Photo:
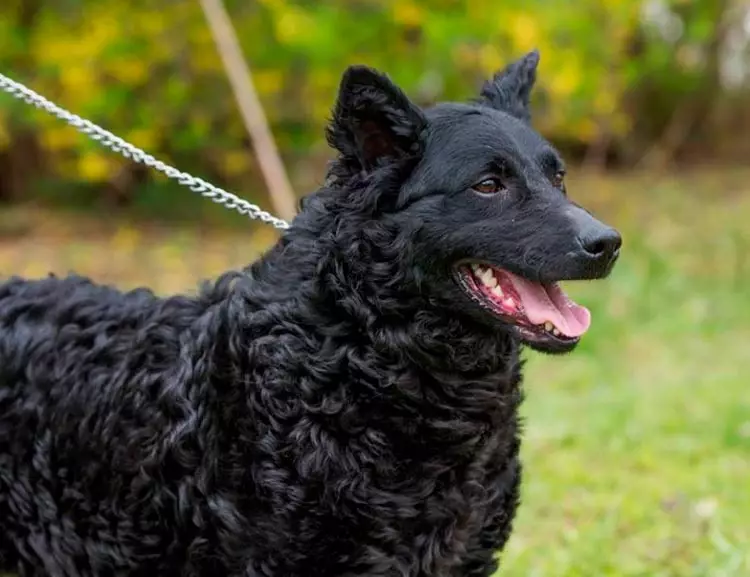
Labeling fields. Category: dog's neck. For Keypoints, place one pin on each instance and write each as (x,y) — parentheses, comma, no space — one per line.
(324,318)
(347,277)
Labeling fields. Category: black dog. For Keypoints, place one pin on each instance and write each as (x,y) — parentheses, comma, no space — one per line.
(346,406)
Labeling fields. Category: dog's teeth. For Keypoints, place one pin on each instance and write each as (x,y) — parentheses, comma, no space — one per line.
(556,332)
(497,291)
(490,281)
(548,326)
(478,271)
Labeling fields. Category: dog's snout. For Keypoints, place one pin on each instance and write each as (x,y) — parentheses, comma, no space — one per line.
(602,244)
(597,244)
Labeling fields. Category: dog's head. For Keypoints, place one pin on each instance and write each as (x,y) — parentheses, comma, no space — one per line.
(492,230)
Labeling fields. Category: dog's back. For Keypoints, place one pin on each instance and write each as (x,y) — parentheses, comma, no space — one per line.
(84,400)
(71,339)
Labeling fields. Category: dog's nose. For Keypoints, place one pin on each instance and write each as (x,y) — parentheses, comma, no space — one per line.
(602,244)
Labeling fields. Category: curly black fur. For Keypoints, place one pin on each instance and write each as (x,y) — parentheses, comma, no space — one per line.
(339,408)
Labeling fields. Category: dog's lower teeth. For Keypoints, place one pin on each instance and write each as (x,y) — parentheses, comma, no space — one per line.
(556,332)
(548,326)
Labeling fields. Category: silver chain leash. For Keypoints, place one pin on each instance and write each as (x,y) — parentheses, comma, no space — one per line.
(117,144)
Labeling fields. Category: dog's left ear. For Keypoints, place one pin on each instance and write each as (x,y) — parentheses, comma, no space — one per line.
(373,120)
(510,89)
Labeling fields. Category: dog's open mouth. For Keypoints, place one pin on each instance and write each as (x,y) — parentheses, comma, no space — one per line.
(542,313)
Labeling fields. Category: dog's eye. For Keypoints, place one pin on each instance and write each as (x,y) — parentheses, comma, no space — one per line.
(489,186)
(559,179)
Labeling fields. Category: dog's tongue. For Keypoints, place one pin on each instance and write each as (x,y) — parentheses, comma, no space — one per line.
(544,303)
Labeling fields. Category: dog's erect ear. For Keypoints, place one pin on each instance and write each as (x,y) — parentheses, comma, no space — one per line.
(373,120)
(510,89)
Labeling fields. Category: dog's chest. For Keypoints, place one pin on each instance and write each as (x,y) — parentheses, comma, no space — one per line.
(464,502)
(436,513)
(394,481)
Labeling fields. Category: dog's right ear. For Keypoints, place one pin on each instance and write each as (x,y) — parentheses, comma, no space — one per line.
(510,89)
(373,120)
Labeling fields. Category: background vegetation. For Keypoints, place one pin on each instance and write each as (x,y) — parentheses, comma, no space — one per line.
(622,82)
(638,445)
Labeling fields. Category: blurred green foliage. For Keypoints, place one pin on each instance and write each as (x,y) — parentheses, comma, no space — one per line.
(149,71)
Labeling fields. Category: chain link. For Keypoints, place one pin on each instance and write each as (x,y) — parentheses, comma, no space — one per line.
(117,144)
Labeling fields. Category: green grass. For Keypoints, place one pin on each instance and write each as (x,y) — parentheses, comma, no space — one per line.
(637,446)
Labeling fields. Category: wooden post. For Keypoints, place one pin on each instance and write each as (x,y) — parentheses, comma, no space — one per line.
(279,188)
